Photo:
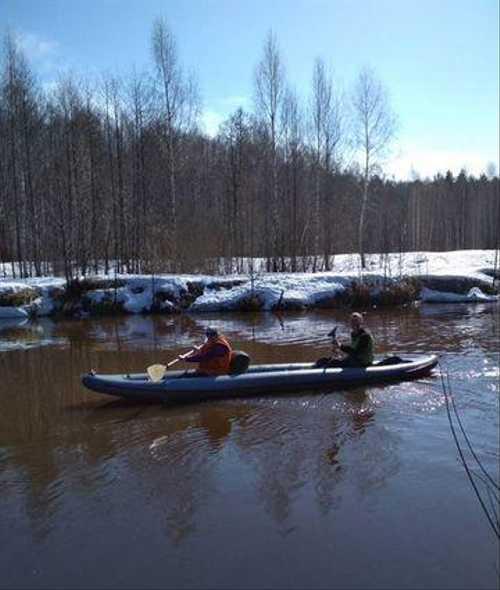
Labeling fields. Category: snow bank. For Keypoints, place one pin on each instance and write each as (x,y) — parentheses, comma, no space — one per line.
(41,290)
(141,294)
(439,273)
(287,290)
(474,295)
(13,312)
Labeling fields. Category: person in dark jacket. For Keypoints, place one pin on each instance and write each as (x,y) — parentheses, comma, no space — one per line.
(359,353)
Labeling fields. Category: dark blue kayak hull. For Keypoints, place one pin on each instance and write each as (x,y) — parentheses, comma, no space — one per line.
(259,380)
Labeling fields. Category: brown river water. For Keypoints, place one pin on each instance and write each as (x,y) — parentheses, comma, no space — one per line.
(361,488)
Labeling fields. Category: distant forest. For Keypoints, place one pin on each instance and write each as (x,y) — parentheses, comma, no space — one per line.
(119,176)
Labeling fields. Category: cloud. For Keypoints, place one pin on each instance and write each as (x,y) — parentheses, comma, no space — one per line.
(211,118)
(35,47)
(427,163)
(211,121)
(40,51)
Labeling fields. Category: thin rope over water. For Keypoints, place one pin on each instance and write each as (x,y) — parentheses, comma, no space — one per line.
(491,486)
(494,483)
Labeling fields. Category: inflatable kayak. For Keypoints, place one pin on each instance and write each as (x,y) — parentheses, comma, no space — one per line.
(257,380)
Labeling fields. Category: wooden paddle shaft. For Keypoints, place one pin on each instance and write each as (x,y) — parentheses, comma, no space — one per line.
(182,356)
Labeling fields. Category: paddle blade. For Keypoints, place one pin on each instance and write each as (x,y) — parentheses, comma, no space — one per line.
(156,372)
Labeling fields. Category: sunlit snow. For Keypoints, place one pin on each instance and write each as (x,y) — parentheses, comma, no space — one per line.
(293,289)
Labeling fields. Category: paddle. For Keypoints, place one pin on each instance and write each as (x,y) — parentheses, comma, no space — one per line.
(333,335)
(157,372)
(335,342)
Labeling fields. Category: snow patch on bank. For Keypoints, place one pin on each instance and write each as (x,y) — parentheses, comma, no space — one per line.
(202,293)
(288,290)
(475,294)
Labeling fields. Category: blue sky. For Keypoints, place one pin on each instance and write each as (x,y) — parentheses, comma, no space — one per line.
(438,59)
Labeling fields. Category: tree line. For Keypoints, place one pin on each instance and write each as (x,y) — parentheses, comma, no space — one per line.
(120,177)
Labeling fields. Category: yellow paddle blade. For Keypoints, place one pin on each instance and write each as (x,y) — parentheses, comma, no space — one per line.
(156,372)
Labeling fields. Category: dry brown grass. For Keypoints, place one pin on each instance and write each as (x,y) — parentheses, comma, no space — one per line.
(18,298)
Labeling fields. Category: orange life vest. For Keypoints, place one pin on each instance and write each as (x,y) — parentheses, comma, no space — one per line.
(220,364)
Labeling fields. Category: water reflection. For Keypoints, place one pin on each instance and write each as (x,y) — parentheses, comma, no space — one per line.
(395,330)
(178,450)
(275,453)
(462,309)
(23,334)
(9,323)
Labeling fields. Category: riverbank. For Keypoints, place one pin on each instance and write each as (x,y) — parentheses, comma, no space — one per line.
(394,279)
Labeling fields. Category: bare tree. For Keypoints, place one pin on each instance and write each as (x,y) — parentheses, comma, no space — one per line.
(234,136)
(326,130)
(269,92)
(491,170)
(374,126)
(14,89)
(293,155)
(139,99)
(170,78)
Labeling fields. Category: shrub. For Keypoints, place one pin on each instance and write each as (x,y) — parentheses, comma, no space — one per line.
(356,295)
(77,288)
(399,293)
(18,298)
(106,306)
(251,302)
(289,306)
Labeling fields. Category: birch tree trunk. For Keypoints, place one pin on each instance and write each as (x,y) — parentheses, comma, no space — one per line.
(269,82)
(374,128)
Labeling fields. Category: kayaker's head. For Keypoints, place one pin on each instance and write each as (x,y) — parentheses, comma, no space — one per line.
(356,321)
(211,333)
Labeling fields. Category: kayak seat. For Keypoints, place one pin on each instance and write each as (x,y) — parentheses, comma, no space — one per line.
(240,361)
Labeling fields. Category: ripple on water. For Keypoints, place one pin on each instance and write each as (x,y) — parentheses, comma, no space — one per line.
(178,448)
